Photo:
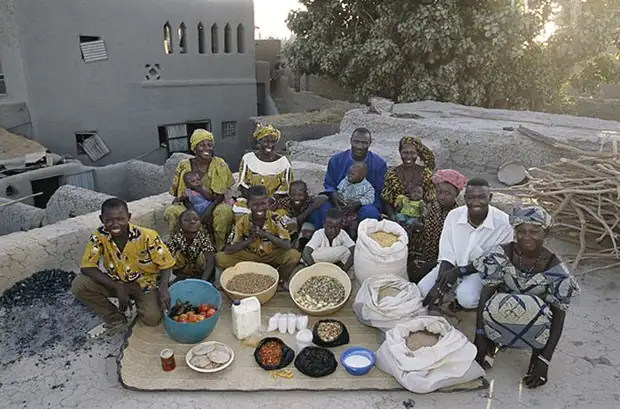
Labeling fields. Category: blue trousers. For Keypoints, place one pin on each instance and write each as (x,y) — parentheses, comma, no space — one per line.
(365,212)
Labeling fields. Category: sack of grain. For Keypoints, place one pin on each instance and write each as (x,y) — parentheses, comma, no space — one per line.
(372,258)
(449,362)
(383,302)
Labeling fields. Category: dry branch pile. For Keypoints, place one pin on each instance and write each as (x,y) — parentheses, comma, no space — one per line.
(583,195)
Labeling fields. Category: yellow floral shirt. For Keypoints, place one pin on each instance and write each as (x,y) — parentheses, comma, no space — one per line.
(218,178)
(143,257)
(260,246)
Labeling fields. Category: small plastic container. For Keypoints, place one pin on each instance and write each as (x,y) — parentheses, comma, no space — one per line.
(358,361)
(246,317)
(302,322)
(304,339)
(282,323)
(291,323)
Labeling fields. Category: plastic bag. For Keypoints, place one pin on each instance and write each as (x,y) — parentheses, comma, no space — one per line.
(383,302)
(341,339)
(254,339)
(286,357)
(316,362)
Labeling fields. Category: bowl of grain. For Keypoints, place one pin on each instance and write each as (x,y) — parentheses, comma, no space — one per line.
(249,279)
(321,289)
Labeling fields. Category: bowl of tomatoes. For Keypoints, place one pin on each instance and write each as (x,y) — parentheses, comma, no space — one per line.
(195,309)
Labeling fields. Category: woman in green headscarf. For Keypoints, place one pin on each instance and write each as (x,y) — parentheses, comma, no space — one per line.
(216,179)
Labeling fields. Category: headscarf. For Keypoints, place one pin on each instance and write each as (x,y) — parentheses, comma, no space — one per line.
(450,176)
(262,131)
(531,215)
(409,140)
(198,136)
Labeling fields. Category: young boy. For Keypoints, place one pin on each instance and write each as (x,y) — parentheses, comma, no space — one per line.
(260,237)
(354,191)
(124,261)
(410,210)
(298,212)
(330,244)
(194,196)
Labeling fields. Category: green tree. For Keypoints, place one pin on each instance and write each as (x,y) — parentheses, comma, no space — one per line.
(472,52)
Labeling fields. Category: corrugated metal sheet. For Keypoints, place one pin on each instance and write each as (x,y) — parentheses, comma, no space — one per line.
(178,145)
(95,148)
(94,51)
(175,131)
(84,179)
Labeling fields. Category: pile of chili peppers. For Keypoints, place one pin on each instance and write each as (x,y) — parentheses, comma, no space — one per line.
(270,353)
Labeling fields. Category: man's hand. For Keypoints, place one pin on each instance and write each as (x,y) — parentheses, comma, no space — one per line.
(446,280)
(164,297)
(123,291)
(262,233)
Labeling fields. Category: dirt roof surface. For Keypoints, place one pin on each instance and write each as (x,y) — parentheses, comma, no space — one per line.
(14,146)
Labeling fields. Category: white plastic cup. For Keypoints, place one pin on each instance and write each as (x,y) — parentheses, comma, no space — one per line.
(302,322)
(291,323)
(282,323)
(304,339)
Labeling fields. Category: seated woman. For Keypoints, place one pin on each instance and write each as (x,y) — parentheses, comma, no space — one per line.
(216,178)
(192,249)
(448,185)
(264,167)
(527,291)
(400,180)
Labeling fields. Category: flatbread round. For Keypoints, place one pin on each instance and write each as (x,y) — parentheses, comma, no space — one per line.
(219,356)
(202,349)
(200,361)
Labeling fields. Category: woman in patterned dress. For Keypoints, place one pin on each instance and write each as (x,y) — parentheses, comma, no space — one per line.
(399,180)
(216,179)
(192,249)
(527,291)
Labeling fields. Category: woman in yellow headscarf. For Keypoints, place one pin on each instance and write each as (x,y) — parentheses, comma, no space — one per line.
(215,177)
(264,166)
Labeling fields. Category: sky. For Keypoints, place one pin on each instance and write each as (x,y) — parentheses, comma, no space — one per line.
(270,16)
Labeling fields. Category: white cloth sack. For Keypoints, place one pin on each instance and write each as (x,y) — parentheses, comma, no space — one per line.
(377,310)
(371,259)
(447,363)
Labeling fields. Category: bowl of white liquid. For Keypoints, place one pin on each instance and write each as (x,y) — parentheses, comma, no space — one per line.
(358,361)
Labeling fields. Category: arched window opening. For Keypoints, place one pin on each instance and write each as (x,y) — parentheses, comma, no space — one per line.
(201,39)
(215,41)
(240,39)
(167,38)
(182,39)
(227,39)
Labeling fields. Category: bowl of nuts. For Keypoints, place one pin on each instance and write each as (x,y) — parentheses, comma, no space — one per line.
(321,289)
(249,279)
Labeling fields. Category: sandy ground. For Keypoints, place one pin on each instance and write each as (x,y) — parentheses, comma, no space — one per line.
(14,146)
(47,362)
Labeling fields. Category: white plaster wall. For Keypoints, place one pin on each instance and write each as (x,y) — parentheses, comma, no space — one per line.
(71,201)
(60,245)
(11,55)
(18,217)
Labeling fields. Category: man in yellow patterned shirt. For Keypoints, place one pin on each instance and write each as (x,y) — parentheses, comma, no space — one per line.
(127,262)
(260,237)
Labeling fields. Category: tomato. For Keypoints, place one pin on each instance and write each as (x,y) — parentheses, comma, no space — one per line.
(211,312)
(203,308)
(192,317)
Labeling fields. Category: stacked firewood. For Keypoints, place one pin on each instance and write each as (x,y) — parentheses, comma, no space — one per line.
(583,196)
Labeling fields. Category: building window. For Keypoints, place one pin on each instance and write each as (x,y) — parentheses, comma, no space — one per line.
(227,39)
(229,129)
(2,83)
(182,39)
(175,137)
(153,72)
(240,39)
(201,39)
(215,39)
(167,38)
(90,143)
(92,49)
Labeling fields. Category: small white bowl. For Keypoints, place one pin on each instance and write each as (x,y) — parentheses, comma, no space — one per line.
(190,355)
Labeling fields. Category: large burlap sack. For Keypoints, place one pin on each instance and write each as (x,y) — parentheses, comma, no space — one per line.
(372,259)
(384,301)
(447,363)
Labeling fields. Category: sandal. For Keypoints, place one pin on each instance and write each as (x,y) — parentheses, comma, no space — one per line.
(107,328)
(542,379)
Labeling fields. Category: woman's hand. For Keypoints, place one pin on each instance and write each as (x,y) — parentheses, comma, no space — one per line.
(537,374)
(483,345)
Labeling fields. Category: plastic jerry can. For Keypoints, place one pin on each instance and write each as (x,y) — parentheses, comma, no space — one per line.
(246,317)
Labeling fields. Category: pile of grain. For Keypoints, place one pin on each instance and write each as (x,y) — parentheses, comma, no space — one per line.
(384,239)
(250,283)
(421,339)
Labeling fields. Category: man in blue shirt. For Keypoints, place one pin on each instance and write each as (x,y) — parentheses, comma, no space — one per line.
(338,168)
